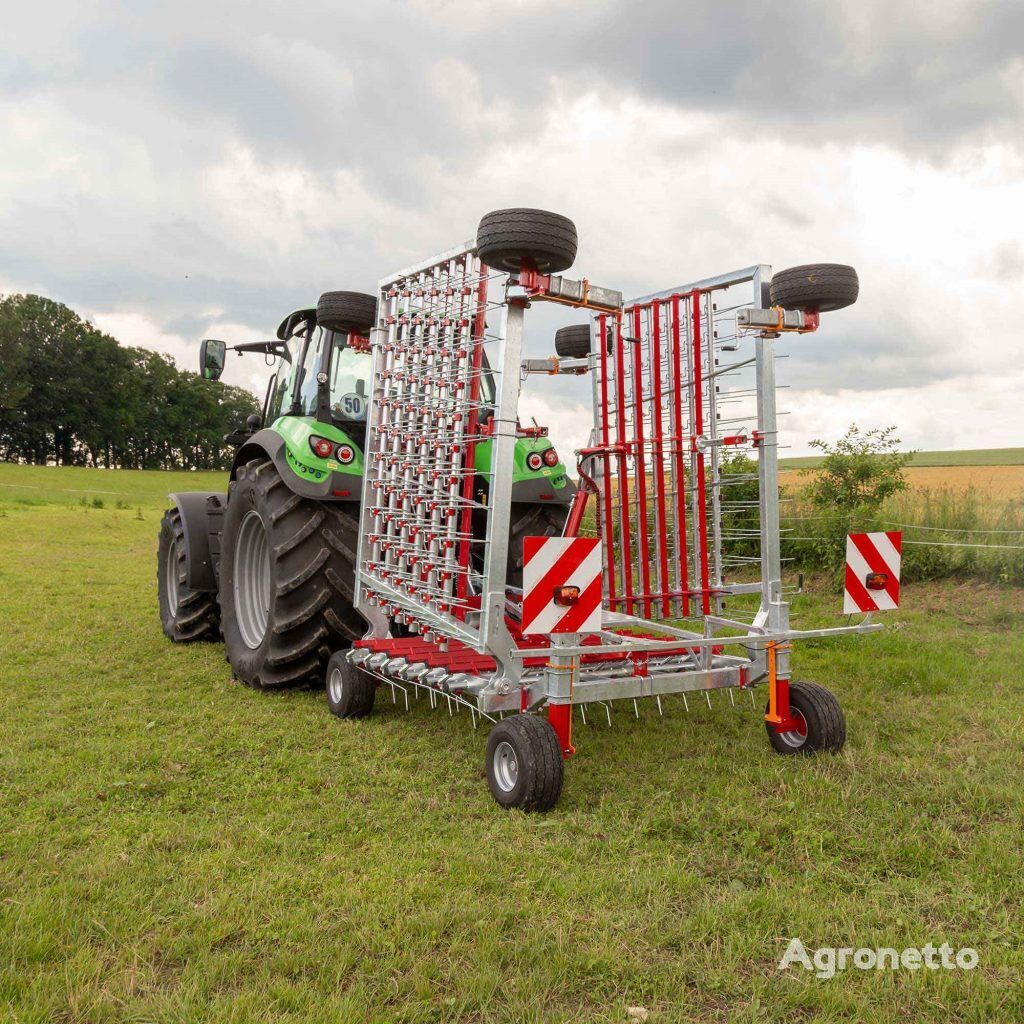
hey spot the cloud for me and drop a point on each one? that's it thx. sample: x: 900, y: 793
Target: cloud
x: 190, y: 169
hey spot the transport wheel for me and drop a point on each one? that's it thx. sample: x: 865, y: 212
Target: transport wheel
x: 347, y: 311
x: 822, y: 725
x: 573, y: 342
x: 524, y: 763
x: 821, y: 286
x: 350, y: 691
x: 287, y: 570
x: 505, y: 238
x: 185, y: 614
x: 530, y: 521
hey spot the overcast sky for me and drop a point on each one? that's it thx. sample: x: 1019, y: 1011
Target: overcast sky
x: 187, y: 170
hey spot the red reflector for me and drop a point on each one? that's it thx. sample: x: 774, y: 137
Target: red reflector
x: 546, y: 497
x: 876, y: 580
x: 340, y: 494
x: 321, y: 446
x: 566, y: 595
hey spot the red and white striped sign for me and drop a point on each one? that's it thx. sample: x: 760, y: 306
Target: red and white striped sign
x: 550, y: 563
x: 872, y: 572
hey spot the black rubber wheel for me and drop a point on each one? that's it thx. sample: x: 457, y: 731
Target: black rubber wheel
x: 350, y: 691
x: 347, y: 311
x: 530, y: 521
x: 185, y: 614
x: 573, y: 342
x: 287, y: 571
x: 524, y: 763
x: 507, y: 237
x: 821, y: 286
x: 824, y: 726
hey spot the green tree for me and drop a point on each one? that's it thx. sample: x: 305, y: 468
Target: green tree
x: 858, y: 472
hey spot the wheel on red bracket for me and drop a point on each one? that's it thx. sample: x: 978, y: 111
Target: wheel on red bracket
x: 505, y: 238
x: 573, y: 342
x: 819, y: 724
x: 350, y: 691
x: 524, y: 763
x: 821, y: 286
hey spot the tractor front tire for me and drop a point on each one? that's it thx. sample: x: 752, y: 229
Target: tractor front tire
x: 185, y: 614
x: 530, y: 521
x: 287, y: 571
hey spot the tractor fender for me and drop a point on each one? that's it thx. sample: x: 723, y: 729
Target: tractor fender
x: 201, y: 516
x: 541, y: 492
x: 267, y: 443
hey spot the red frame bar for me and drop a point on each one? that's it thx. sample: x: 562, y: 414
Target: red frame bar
x: 623, y: 473
x: 609, y: 547
x: 661, y: 540
x: 471, y: 438
x: 701, y: 482
x: 683, y: 561
x: 639, y: 463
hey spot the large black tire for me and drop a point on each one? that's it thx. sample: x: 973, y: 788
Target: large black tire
x: 507, y: 237
x: 573, y: 342
x: 524, y: 763
x: 185, y: 614
x: 347, y: 311
x: 821, y: 286
x: 823, y: 720
x: 350, y: 691
x: 530, y: 521
x: 304, y: 575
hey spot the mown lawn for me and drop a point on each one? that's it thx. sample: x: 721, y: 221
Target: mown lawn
x: 175, y: 847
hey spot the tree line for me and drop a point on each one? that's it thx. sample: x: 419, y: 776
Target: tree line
x: 70, y: 395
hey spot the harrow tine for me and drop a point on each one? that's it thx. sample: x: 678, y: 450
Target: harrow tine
x: 732, y: 697
x: 583, y: 713
x: 658, y: 700
x: 636, y: 709
x: 707, y: 697
x: 686, y: 704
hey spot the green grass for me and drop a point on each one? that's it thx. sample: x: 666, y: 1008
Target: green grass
x: 33, y: 485
x: 975, y: 457
x: 175, y: 847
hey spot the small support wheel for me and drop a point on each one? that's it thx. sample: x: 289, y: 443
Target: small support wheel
x: 524, y: 763
x: 350, y: 691
x: 821, y: 725
x: 573, y: 342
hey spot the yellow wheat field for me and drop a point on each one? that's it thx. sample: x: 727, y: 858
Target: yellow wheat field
x: 996, y: 481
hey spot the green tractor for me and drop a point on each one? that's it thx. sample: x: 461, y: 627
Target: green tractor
x: 270, y: 565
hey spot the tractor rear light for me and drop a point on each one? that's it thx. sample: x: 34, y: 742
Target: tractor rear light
x: 346, y: 453
x: 876, y: 580
x: 535, y: 461
x: 322, y: 448
x: 566, y: 596
x: 551, y: 457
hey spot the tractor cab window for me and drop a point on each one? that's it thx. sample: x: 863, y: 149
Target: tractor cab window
x: 350, y: 374
x: 284, y: 381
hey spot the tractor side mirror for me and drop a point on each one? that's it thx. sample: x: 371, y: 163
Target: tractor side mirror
x: 211, y: 358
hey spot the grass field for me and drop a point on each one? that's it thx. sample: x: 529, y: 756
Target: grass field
x: 970, y: 457
x: 177, y: 848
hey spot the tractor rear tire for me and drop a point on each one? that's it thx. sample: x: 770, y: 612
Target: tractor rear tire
x: 505, y: 238
x: 823, y: 724
x: 531, y: 521
x: 287, y: 571
x: 821, y: 286
x: 185, y: 614
x: 573, y: 342
x: 347, y: 311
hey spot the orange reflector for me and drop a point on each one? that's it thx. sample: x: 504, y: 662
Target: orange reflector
x: 566, y: 595
x: 876, y: 580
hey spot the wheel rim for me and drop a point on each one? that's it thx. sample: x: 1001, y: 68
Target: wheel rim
x: 797, y: 737
x: 171, y: 576
x: 252, y: 580
x: 335, y: 685
x: 506, y: 766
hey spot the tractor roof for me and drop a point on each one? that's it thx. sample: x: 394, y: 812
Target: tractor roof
x: 292, y: 320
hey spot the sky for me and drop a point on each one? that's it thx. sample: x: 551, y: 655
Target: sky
x: 189, y: 170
